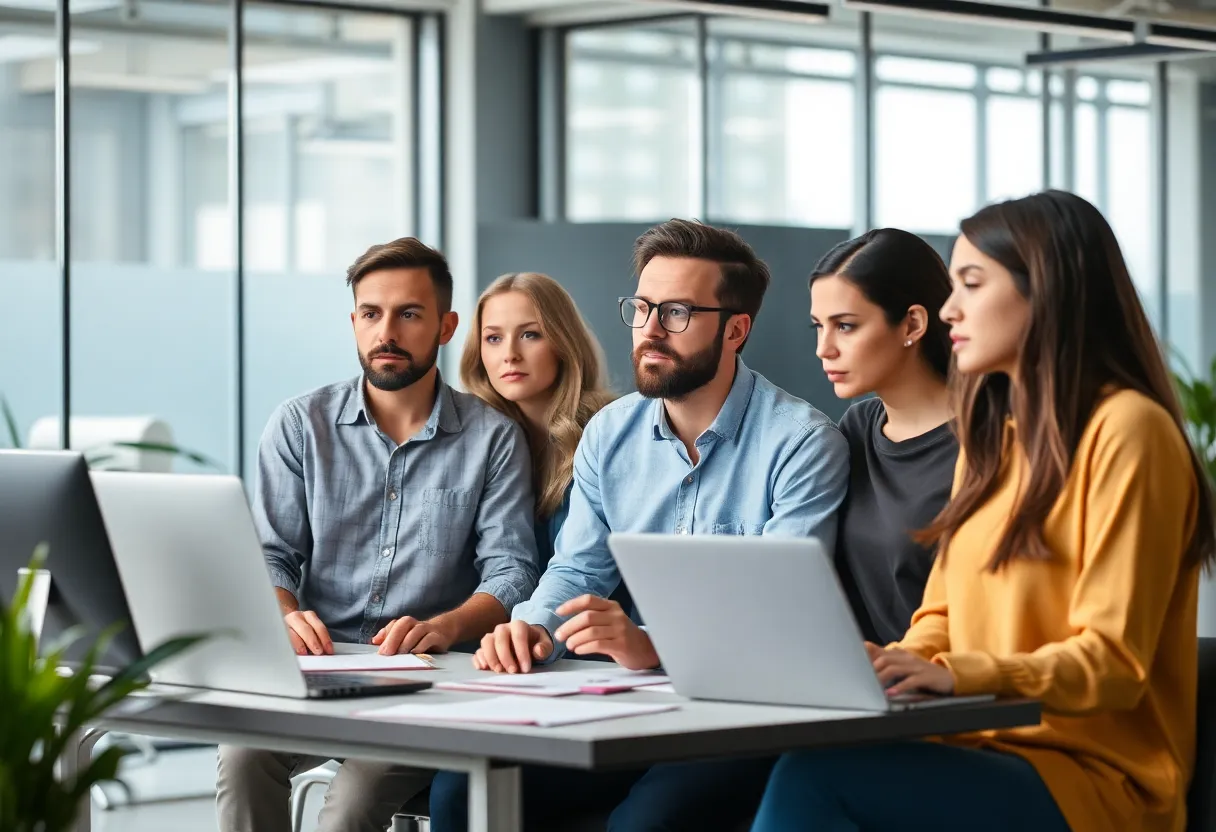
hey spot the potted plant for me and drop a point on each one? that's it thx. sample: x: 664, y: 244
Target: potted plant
x: 42, y: 710
x: 102, y: 454
x: 1198, y: 397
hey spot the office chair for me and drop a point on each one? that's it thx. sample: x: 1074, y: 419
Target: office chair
x: 1201, y: 797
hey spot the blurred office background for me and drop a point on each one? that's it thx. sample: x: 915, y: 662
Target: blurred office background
x: 179, y: 203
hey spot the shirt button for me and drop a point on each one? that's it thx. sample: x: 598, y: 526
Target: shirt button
x: 386, y: 552
x: 392, y: 495
x: 689, y: 480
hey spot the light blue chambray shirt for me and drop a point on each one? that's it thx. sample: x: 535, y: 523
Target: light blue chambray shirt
x: 363, y: 531
x: 769, y: 464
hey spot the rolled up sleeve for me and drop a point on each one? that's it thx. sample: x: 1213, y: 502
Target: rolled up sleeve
x: 506, y: 557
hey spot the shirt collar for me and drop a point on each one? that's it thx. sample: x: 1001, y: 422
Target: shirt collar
x: 726, y: 424
x: 444, y: 414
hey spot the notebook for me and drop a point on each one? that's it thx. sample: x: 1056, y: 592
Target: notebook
x: 350, y: 662
x: 560, y: 683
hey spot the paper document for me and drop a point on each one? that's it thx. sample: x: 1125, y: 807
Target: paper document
x: 559, y: 682
x: 517, y: 710
x: 351, y: 662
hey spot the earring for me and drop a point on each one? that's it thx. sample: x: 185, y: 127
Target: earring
x: 908, y: 343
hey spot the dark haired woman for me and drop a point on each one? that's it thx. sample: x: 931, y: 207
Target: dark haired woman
x: 874, y: 304
x: 1068, y: 565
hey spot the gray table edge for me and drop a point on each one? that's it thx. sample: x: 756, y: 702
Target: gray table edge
x: 639, y: 750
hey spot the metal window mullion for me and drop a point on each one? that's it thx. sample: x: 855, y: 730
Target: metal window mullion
x: 236, y: 196
x: 552, y: 92
x: 1163, y: 192
x: 1045, y: 105
x: 703, y: 145
x: 864, y: 164
x: 981, y: 145
x: 63, y: 214
x: 1103, y: 153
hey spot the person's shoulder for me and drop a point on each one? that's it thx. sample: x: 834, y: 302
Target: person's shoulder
x: 1126, y: 418
x: 789, y: 413
x: 327, y: 402
x: 858, y: 420
x: 618, y: 412
x: 475, y: 411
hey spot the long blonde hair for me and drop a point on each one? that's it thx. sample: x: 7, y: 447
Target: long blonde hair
x: 579, y: 391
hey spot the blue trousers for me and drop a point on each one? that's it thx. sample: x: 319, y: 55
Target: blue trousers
x: 684, y: 797
x: 908, y: 786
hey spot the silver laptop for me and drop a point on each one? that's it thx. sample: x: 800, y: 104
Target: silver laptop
x: 754, y: 619
x: 190, y: 562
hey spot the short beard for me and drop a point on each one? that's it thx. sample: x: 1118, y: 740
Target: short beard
x: 393, y: 380
x: 687, y: 376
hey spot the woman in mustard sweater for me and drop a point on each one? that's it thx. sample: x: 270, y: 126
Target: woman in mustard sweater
x: 1069, y: 559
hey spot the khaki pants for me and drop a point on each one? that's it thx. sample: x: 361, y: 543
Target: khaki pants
x: 253, y: 790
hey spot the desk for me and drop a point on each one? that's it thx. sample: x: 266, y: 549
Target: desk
x: 491, y: 754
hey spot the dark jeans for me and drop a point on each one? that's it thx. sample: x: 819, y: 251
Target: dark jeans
x: 907, y: 786
x: 717, y: 795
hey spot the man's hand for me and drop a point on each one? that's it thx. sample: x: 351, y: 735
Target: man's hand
x: 409, y: 635
x: 902, y: 672
x: 512, y: 647
x: 601, y: 626
x: 308, y: 634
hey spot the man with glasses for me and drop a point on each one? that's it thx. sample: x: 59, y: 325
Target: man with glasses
x: 706, y: 446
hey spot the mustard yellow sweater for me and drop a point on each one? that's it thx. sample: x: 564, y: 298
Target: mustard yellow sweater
x: 1104, y: 634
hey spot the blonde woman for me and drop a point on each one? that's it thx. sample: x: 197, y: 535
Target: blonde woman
x: 530, y: 354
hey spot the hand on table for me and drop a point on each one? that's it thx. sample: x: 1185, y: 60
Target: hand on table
x: 308, y: 635
x: 902, y: 672
x: 601, y: 626
x: 409, y: 635
x: 511, y: 648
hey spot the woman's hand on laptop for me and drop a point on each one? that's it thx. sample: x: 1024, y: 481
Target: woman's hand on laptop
x: 511, y: 648
x: 601, y: 626
x: 902, y: 672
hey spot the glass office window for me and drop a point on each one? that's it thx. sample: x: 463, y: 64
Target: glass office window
x: 329, y: 173
x: 925, y: 172
x: 30, y: 291
x: 1129, y: 195
x: 632, y: 124
x: 785, y: 143
x: 1014, y: 164
x: 152, y: 307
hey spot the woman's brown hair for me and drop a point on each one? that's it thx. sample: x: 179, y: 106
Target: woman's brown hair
x: 578, y: 393
x: 1087, y: 331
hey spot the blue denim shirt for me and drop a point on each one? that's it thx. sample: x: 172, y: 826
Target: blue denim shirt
x: 363, y: 531
x: 769, y: 464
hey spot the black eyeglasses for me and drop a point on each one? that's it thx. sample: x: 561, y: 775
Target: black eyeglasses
x: 673, y: 315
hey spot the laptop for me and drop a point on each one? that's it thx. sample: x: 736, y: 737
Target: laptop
x: 191, y: 562
x: 755, y: 619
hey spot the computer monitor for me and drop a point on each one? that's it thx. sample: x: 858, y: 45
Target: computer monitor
x: 47, y: 496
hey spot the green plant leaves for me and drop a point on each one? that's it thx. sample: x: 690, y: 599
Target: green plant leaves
x: 1198, y: 399
x: 42, y: 710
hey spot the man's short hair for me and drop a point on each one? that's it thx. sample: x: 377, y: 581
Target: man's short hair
x: 745, y: 277
x: 406, y: 253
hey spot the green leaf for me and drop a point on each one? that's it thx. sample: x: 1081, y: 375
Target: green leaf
x: 172, y: 450
x: 14, y: 435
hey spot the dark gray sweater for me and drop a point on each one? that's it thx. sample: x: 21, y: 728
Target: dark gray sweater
x: 895, y: 488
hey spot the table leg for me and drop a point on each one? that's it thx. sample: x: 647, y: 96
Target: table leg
x: 495, y: 799
x: 76, y: 757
